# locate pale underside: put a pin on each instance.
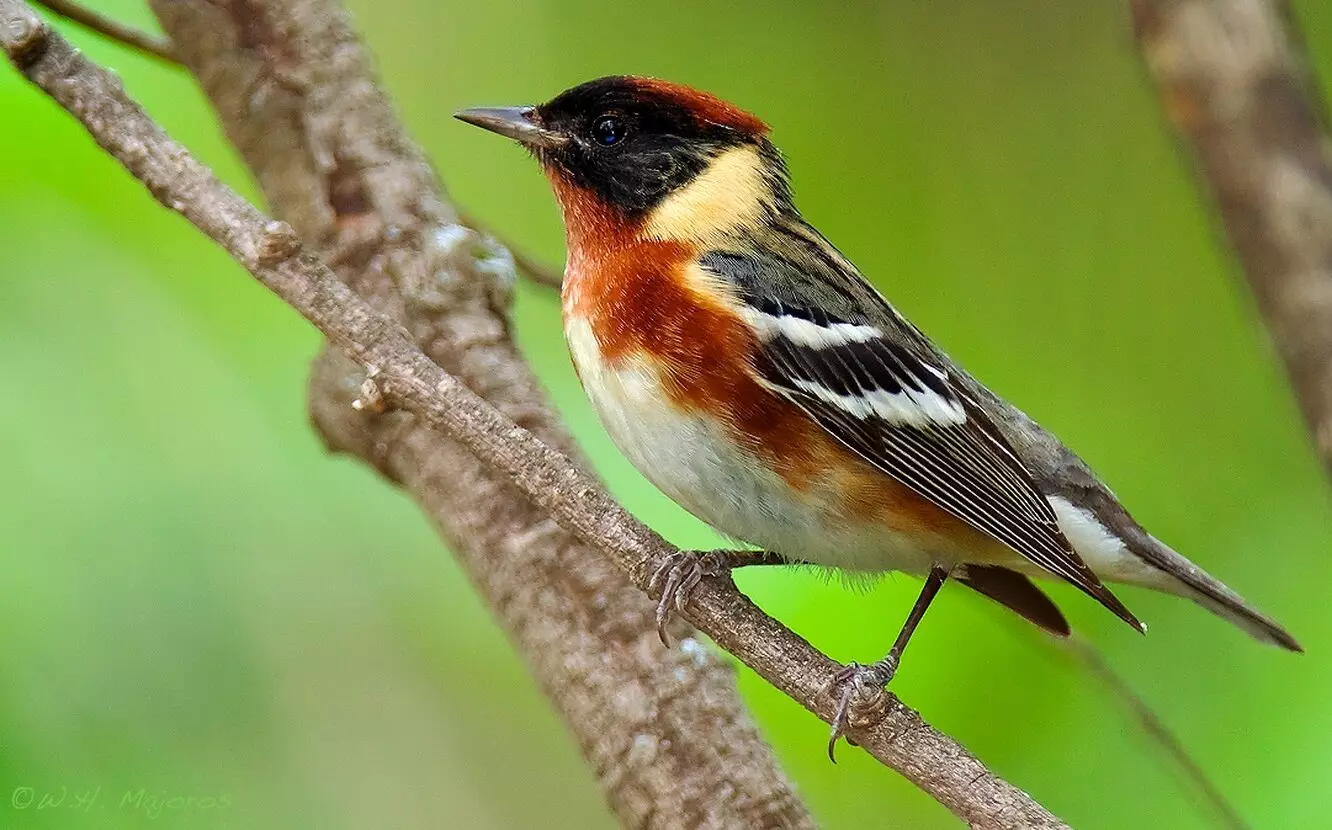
(708, 474)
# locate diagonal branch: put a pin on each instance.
(1237, 87)
(666, 735)
(401, 374)
(538, 272)
(664, 731)
(112, 28)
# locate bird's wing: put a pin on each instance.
(833, 346)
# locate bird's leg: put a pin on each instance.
(680, 573)
(859, 680)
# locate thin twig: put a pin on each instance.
(156, 46)
(536, 271)
(406, 377)
(1157, 730)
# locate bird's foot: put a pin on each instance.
(678, 576)
(861, 692)
(680, 573)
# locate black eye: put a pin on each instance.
(608, 130)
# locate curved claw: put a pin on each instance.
(840, 721)
(676, 578)
(856, 679)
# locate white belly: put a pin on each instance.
(699, 467)
(693, 461)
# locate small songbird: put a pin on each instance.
(749, 371)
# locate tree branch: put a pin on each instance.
(112, 28)
(1237, 87)
(664, 732)
(666, 735)
(536, 271)
(401, 374)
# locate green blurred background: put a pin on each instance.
(196, 600)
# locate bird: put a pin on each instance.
(750, 371)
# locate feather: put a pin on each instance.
(832, 345)
(1016, 593)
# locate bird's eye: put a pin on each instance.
(609, 130)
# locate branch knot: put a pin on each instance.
(24, 37)
(277, 244)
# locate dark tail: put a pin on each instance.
(1198, 585)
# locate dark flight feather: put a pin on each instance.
(961, 464)
(1017, 593)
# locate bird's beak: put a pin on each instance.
(513, 122)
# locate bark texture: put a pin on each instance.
(1237, 87)
(112, 28)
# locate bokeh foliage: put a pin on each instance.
(196, 600)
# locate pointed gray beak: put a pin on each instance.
(513, 122)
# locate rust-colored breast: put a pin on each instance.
(636, 296)
(643, 298)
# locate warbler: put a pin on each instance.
(750, 372)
